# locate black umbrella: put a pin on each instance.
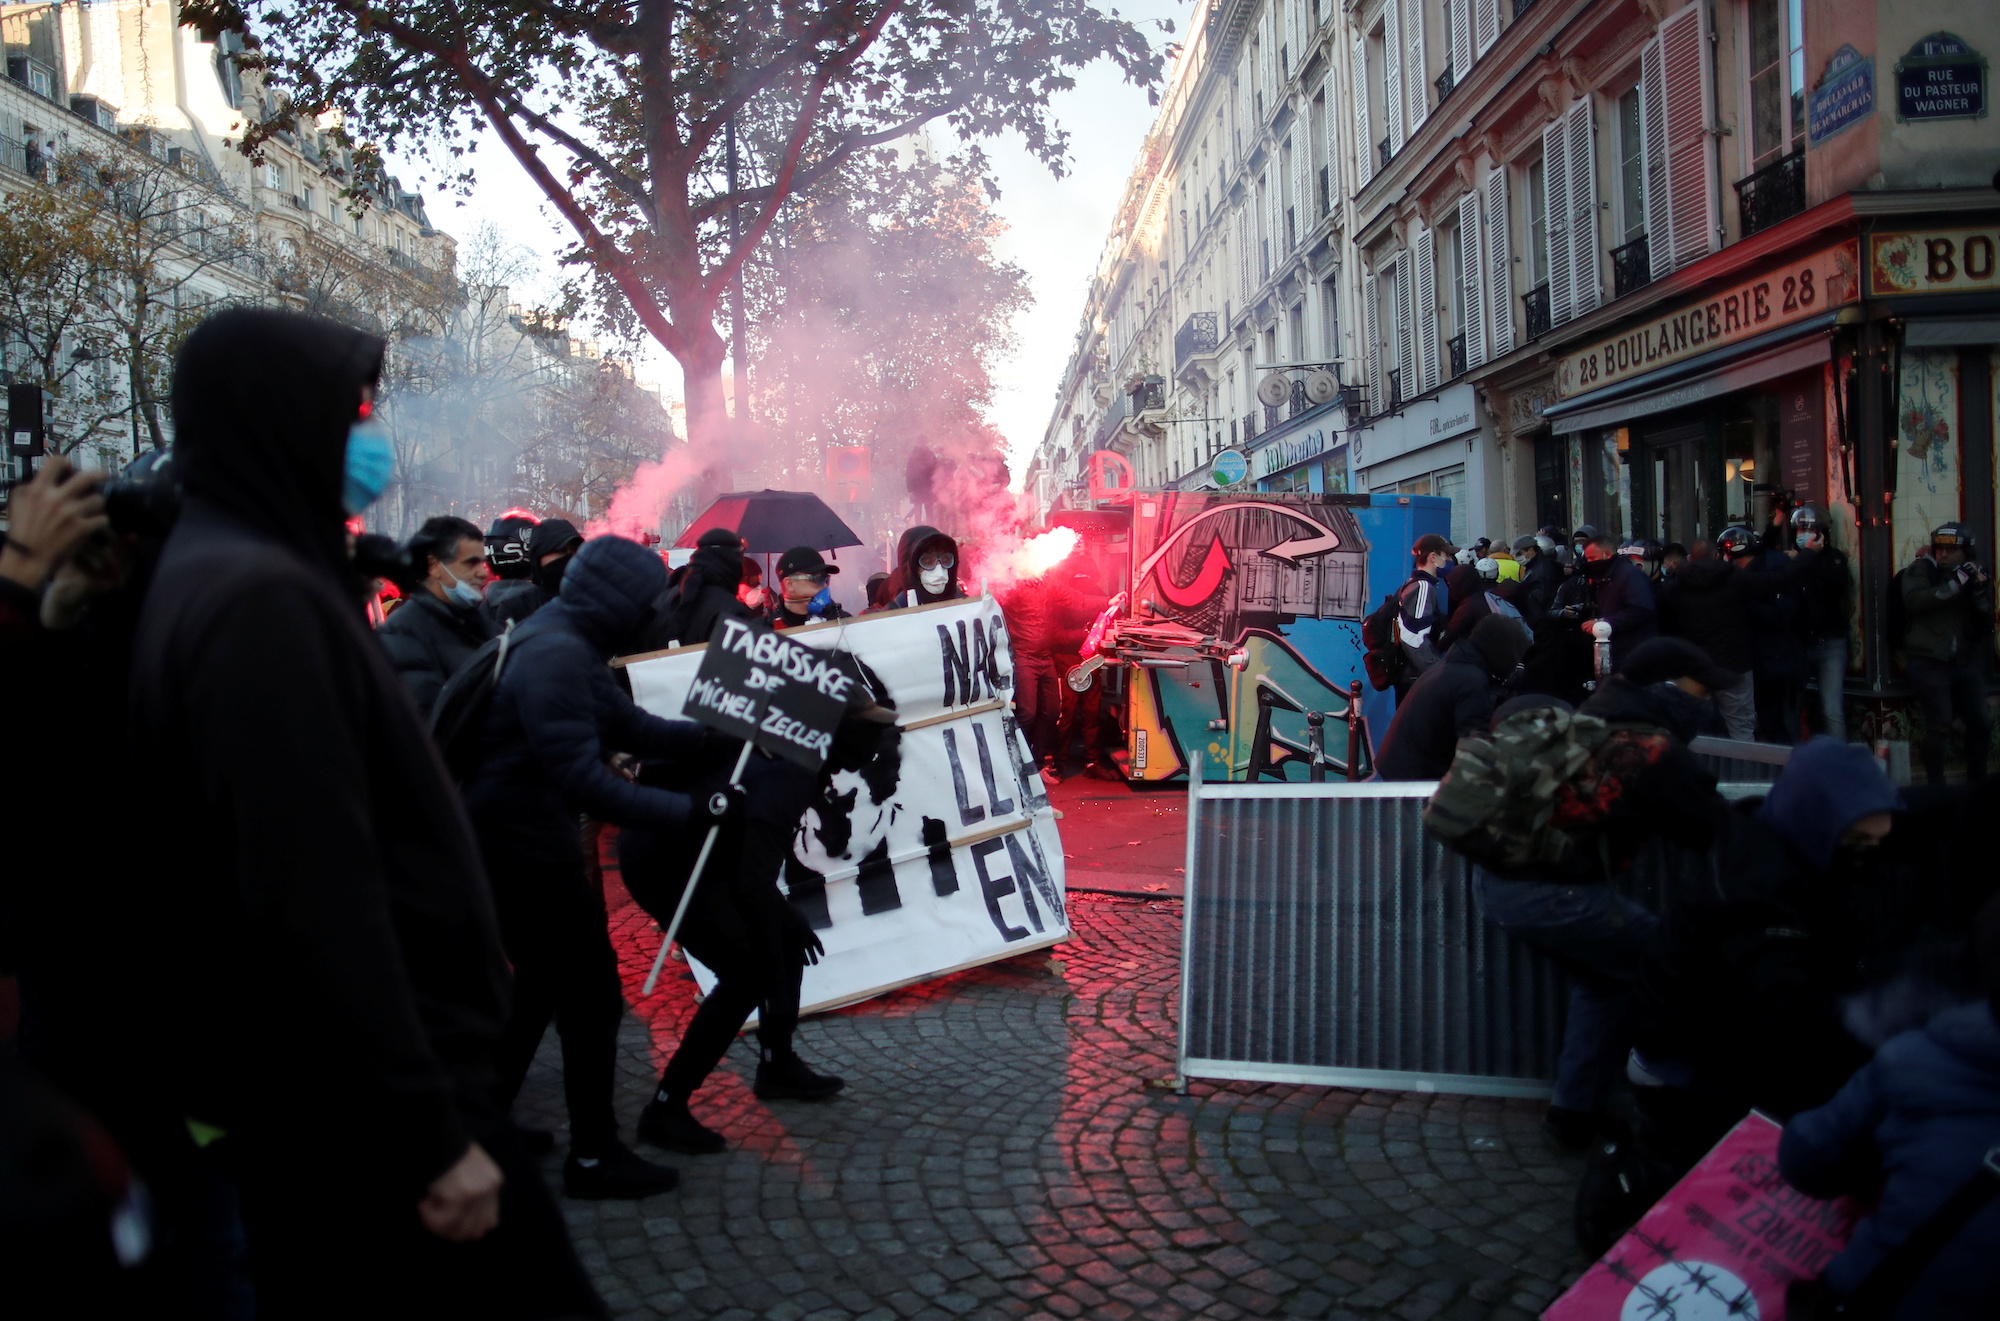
(772, 522)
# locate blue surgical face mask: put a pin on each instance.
(370, 461)
(464, 593)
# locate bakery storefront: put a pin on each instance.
(1857, 375)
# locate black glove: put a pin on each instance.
(800, 936)
(722, 807)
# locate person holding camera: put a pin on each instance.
(1947, 600)
(319, 926)
(437, 631)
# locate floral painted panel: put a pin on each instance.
(1927, 460)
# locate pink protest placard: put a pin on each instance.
(1721, 1246)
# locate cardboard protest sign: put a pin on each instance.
(943, 853)
(760, 686)
(1724, 1243)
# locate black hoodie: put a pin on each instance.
(905, 583)
(331, 971)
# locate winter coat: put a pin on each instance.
(1946, 620)
(335, 965)
(1624, 598)
(1778, 637)
(1422, 612)
(429, 640)
(701, 595)
(1714, 606)
(1445, 704)
(1539, 579)
(1743, 987)
(512, 599)
(1923, 1112)
(905, 587)
(558, 715)
(1653, 786)
(1828, 589)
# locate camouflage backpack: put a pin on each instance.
(1497, 805)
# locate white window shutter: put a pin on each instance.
(1499, 267)
(1425, 312)
(1371, 347)
(1555, 207)
(1330, 94)
(1690, 160)
(1653, 153)
(1416, 80)
(1461, 40)
(1392, 77)
(1471, 307)
(1585, 266)
(1364, 141)
(1485, 23)
(1242, 259)
(1406, 348)
(1304, 208)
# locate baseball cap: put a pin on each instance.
(1662, 660)
(804, 559)
(1431, 544)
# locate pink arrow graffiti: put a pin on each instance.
(1290, 551)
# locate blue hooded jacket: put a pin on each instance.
(1826, 787)
(558, 715)
(1924, 1112)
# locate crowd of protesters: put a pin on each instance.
(1839, 970)
(272, 1027)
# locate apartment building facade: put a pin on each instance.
(1638, 264)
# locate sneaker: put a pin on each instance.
(1050, 778)
(673, 1126)
(791, 1080)
(618, 1174)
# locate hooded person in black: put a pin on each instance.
(557, 717)
(1452, 700)
(926, 570)
(336, 971)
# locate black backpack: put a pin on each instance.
(1383, 657)
(458, 721)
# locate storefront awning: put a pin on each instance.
(1707, 377)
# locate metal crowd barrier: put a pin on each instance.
(1328, 940)
(1736, 761)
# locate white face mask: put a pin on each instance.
(934, 580)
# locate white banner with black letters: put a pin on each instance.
(942, 856)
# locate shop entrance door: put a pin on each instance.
(1671, 481)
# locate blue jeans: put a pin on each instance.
(1599, 938)
(1828, 659)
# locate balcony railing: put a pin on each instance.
(1249, 427)
(1395, 389)
(1456, 347)
(1522, 6)
(1445, 83)
(1273, 415)
(1325, 192)
(1382, 148)
(1198, 334)
(1776, 192)
(1300, 402)
(1264, 246)
(1631, 267)
(1536, 300)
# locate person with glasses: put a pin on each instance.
(804, 596)
(926, 570)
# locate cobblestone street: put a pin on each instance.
(1008, 1146)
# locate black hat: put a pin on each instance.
(552, 537)
(1662, 660)
(719, 536)
(804, 559)
(507, 545)
(1432, 544)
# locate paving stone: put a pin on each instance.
(999, 1153)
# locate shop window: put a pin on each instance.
(1551, 481)
(1333, 474)
(1446, 482)
(1749, 459)
(1927, 454)
(1777, 80)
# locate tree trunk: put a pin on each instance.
(711, 431)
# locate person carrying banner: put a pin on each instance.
(328, 941)
(557, 716)
(926, 570)
(804, 596)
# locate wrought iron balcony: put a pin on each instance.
(1300, 401)
(1198, 334)
(1445, 83)
(1383, 148)
(1353, 401)
(1776, 192)
(1536, 300)
(1249, 427)
(1395, 389)
(1456, 347)
(1631, 267)
(1273, 415)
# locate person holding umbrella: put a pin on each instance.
(803, 594)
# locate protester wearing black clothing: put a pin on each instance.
(437, 629)
(1451, 700)
(1423, 610)
(686, 613)
(1714, 607)
(512, 595)
(1540, 574)
(926, 570)
(803, 596)
(1828, 594)
(1947, 599)
(336, 973)
(557, 717)
(1621, 595)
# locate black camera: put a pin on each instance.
(145, 499)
